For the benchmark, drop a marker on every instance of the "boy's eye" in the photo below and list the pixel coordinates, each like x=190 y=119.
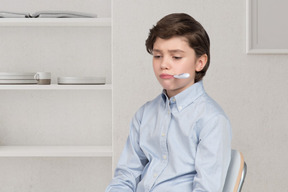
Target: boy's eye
x=156 y=56
x=177 y=58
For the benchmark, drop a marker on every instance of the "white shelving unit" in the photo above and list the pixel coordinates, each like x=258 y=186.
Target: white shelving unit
x=30 y=138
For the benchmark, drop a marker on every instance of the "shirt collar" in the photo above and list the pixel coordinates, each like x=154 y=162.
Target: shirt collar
x=186 y=97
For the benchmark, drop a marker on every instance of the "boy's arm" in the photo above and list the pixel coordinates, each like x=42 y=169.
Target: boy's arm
x=132 y=161
x=213 y=155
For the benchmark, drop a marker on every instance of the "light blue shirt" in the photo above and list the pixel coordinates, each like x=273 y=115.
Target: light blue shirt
x=181 y=144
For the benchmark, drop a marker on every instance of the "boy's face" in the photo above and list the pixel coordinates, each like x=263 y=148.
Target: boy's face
x=172 y=57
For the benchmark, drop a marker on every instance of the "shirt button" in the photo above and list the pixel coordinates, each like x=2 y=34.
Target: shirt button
x=180 y=107
x=164 y=157
x=173 y=99
x=163 y=134
x=155 y=175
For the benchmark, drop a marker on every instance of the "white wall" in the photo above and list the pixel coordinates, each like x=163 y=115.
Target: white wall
x=252 y=89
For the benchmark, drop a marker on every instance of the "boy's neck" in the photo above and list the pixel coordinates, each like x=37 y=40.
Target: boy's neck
x=172 y=93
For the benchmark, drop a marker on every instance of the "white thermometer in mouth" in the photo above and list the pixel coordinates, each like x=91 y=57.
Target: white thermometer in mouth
x=182 y=76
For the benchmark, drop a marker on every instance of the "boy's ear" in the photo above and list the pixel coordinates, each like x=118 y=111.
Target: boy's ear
x=201 y=62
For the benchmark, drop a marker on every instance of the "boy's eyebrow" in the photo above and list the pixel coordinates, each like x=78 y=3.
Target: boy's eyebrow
x=156 y=50
x=170 y=51
x=176 y=51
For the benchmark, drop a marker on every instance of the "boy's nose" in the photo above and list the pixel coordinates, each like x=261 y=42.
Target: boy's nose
x=165 y=64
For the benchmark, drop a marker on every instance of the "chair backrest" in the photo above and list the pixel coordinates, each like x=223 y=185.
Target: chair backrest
x=236 y=173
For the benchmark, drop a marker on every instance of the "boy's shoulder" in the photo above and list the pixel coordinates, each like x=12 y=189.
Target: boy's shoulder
x=149 y=106
x=211 y=116
x=152 y=104
x=209 y=111
x=209 y=106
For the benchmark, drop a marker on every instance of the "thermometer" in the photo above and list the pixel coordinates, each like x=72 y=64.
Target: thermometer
x=182 y=76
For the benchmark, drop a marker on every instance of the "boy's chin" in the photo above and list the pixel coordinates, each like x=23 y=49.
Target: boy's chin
x=167 y=87
x=170 y=85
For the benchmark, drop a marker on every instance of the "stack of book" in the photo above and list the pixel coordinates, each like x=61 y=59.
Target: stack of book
x=17 y=78
x=47 y=14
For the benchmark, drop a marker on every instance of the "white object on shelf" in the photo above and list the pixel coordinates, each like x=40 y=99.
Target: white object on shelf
x=17 y=81
x=55 y=22
x=5 y=75
x=56 y=87
x=6 y=14
x=81 y=80
x=55 y=151
x=17 y=78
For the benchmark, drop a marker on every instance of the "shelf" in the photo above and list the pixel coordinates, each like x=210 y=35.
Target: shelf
x=55 y=22
x=55 y=151
x=56 y=87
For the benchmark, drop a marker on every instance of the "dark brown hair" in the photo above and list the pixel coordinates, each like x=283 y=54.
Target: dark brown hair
x=181 y=24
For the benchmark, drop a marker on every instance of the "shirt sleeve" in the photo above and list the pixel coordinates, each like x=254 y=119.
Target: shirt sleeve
x=132 y=160
x=213 y=155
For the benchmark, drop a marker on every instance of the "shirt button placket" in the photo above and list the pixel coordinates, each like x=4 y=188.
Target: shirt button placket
x=164 y=136
x=163 y=145
x=155 y=175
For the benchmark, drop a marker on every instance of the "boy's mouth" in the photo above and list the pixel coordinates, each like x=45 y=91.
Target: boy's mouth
x=166 y=76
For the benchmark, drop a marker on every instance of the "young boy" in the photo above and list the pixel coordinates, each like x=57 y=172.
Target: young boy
x=181 y=140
